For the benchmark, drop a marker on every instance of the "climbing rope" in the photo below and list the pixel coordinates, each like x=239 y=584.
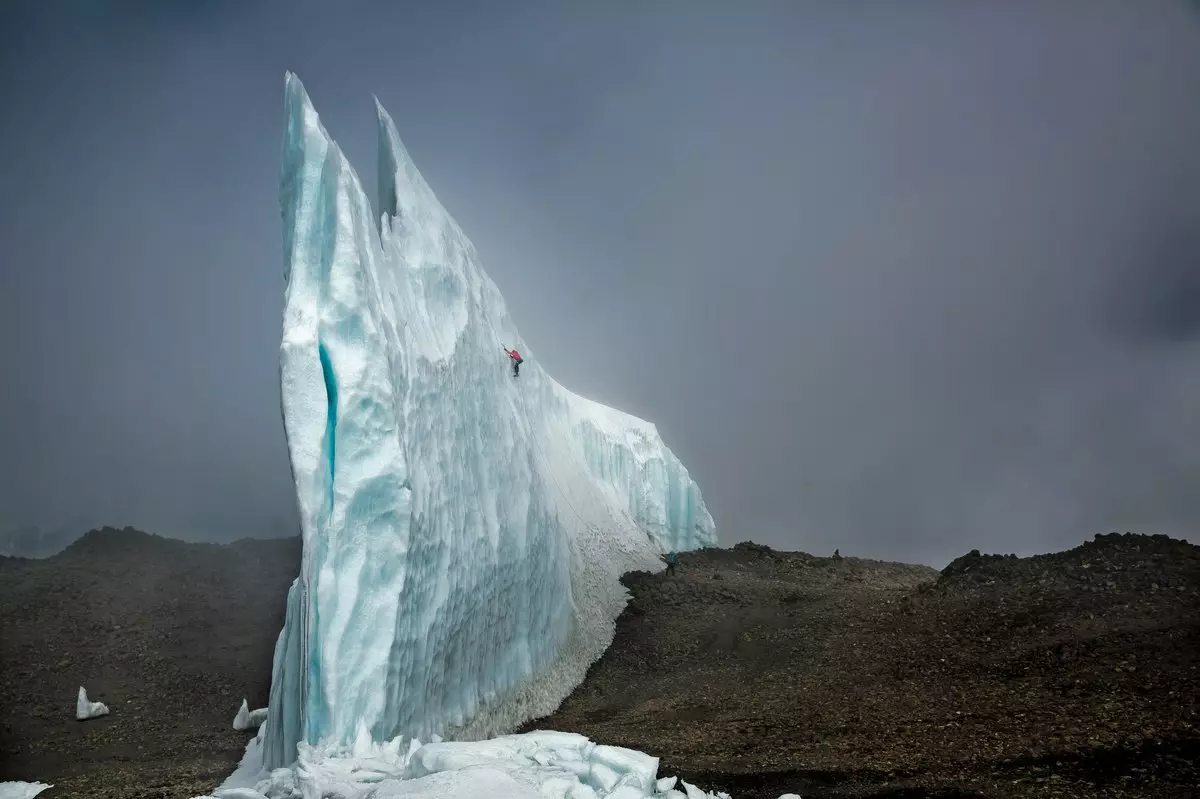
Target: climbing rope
x=550 y=472
x=526 y=426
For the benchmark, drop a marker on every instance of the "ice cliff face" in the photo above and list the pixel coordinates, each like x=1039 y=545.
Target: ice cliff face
x=463 y=530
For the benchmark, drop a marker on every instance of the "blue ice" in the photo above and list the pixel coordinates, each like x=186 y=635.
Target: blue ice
x=463 y=531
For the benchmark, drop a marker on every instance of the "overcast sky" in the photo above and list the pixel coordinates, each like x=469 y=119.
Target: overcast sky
x=902 y=278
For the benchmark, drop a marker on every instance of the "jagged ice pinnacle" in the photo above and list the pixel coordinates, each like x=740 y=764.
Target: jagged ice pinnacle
x=463 y=531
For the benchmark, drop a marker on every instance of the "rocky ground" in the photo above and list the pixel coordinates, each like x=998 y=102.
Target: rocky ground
x=170 y=635
x=759 y=672
x=750 y=671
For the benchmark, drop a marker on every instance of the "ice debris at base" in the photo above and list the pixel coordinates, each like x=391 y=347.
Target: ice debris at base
x=88 y=710
x=535 y=765
x=247 y=719
x=21 y=790
x=464 y=531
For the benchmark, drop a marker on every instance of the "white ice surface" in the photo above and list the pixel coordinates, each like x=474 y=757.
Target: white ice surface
x=247 y=719
x=463 y=531
x=22 y=790
x=537 y=765
x=85 y=709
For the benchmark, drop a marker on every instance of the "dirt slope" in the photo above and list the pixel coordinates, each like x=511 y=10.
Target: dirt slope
x=756 y=672
x=170 y=635
x=751 y=671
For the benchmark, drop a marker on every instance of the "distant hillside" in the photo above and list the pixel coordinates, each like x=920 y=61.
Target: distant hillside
x=31 y=541
x=170 y=634
x=1073 y=675
x=35 y=542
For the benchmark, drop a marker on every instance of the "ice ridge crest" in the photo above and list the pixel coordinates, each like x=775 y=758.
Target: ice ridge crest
x=463 y=531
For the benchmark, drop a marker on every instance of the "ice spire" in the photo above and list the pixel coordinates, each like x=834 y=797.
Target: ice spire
x=464 y=531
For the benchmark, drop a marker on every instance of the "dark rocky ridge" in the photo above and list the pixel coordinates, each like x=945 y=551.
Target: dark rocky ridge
x=751 y=671
x=759 y=672
x=171 y=635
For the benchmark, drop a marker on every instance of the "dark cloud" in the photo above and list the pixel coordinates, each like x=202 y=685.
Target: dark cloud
x=1159 y=303
x=903 y=279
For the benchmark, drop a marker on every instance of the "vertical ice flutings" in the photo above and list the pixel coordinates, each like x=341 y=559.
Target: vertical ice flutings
x=463 y=531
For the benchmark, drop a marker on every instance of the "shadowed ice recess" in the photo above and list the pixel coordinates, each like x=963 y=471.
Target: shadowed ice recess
x=464 y=530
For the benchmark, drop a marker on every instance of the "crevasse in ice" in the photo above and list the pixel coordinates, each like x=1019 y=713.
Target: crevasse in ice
x=463 y=530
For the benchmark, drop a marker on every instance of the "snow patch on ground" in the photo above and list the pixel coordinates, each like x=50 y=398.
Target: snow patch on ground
x=85 y=709
x=22 y=790
x=247 y=719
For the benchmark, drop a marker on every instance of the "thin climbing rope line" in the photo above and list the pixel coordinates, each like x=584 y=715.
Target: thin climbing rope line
x=526 y=426
x=550 y=472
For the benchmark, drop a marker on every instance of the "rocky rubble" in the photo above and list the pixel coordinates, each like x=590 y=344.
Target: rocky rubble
x=759 y=672
x=750 y=671
x=170 y=635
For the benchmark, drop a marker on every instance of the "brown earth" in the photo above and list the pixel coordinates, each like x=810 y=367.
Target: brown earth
x=750 y=671
x=759 y=672
x=170 y=635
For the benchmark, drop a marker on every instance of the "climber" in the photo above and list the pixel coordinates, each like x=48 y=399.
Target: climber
x=516 y=359
x=670 y=559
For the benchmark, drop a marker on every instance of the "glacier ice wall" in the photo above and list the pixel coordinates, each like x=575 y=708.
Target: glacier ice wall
x=463 y=530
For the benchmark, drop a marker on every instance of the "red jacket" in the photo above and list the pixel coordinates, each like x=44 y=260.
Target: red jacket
x=516 y=356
